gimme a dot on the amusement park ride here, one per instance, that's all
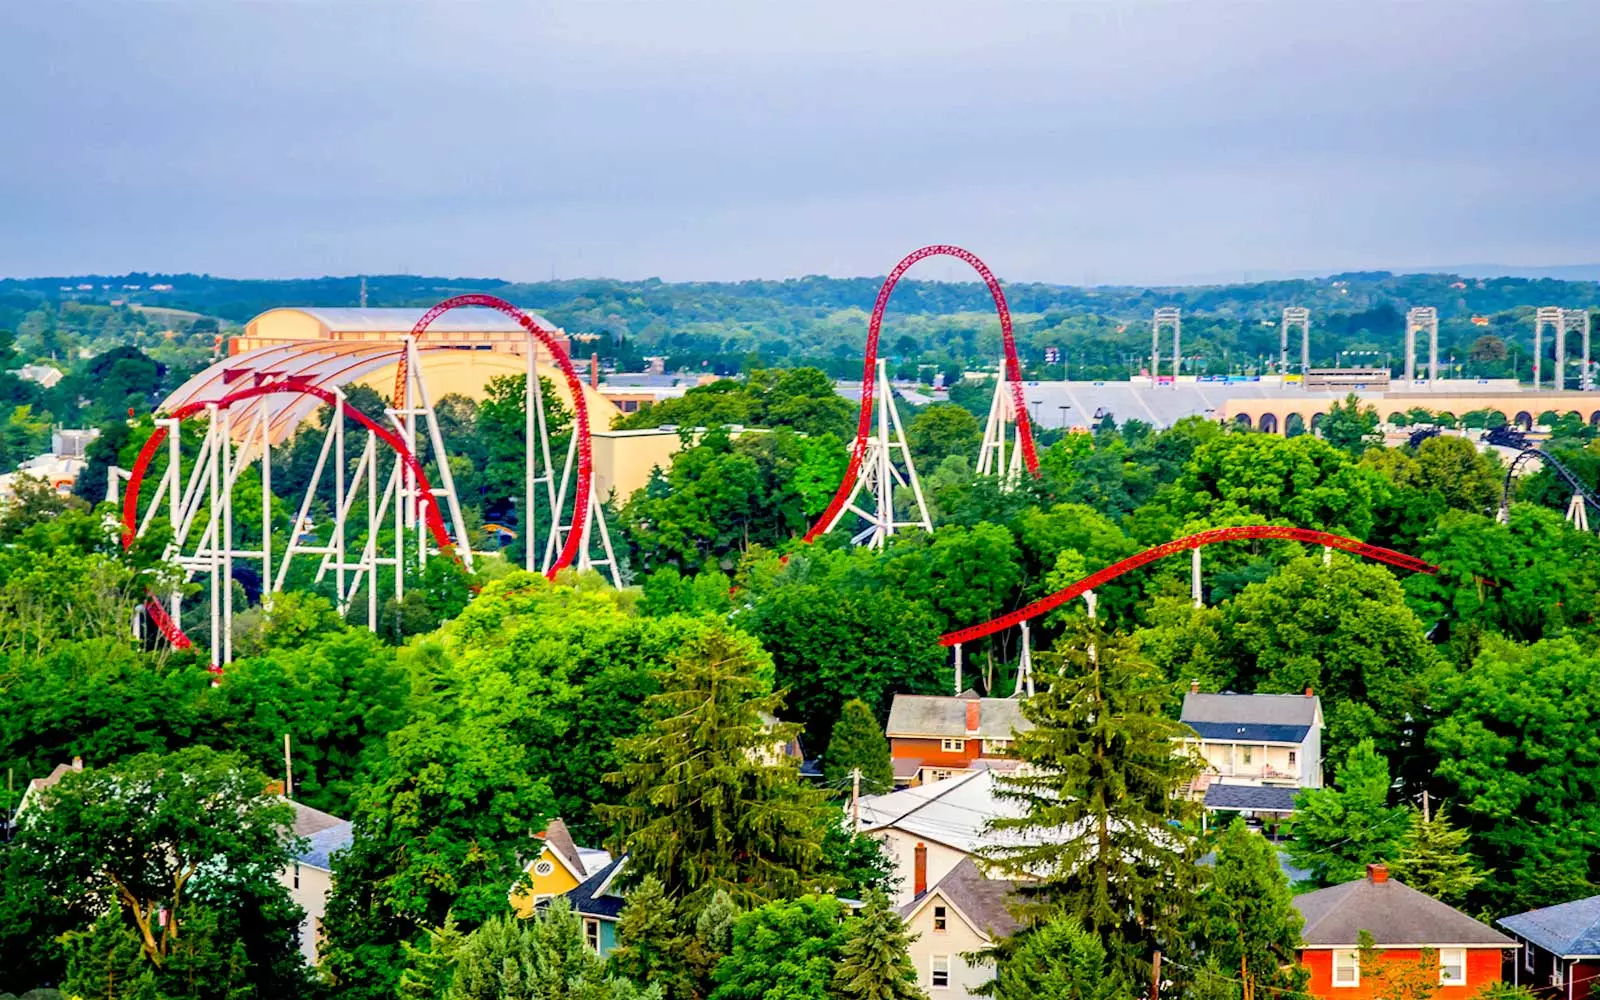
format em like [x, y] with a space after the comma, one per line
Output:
[387, 514]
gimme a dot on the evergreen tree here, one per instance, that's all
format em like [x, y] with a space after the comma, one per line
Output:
[709, 801]
[651, 946]
[1058, 960]
[786, 949]
[1432, 857]
[1103, 803]
[1337, 832]
[429, 970]
[1246, 917]
[858, 742]
[542, 958]
[874, 963]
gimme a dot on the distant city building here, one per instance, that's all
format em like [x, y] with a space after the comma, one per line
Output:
[45, 375]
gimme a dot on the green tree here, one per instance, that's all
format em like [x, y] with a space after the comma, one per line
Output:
[874, 961]
[1336, 832]
[1301, 481]
[541, 958]
[1102, 798]
[1059, 960]
[709, 801]
[429, 969]
[183, 850]
[1432, 857]
[943, 429]
[783, 950]
[1246, 917]
[1398, 978]
[1351, 426]
[858, 743]
[653, 941]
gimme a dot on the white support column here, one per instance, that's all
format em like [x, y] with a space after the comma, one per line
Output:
[530, 416]
[958, 669]
[266, 506]
[225, 461]
[1194, 578]
[1577, 513]
[1327, 555]
[1025, 665]
[1091, 599]
[1294, 317]
[1165, 316]
[880, 474]
[1554, 317]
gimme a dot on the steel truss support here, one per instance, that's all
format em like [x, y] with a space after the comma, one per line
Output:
[1295, 317]
[594, 528]
[1000, 432]
[1426, 318]
[880, 475]
[1561, 321]
[1165, 316]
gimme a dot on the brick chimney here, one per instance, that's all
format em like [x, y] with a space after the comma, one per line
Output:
[274, 788]
[1194, 687]
[1309, 692]
[77, 763]
[594, 369]
[919, 870]
[973, 711]
[1378, 873]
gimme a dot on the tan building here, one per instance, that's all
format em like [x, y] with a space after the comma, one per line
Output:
[309, 875]
[964, 913]
[1522, 409]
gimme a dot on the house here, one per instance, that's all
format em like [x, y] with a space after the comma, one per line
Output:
[1271, 743]
[962, 914]
[37, 786]
[598, 903]
[1560, 948]
[927, 831]
[308, 876]
[1404, 924]
[559, 867]
[932, 737]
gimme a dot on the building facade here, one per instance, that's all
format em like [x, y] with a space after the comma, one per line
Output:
[962, 914]
[933, 737]
[1560, 955]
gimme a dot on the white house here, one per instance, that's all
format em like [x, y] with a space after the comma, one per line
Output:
[1259, 749]
[961, 915]
[309, 874]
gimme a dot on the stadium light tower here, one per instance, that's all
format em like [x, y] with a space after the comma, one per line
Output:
[1426, 318]
[1295, 316]
[1165, 316]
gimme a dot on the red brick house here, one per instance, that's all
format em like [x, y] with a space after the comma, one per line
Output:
[1560, 949]
[1406, 925]
[932, 737]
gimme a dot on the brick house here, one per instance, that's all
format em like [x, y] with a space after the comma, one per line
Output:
[1405, 925]
[1560, 956]
[932, 737]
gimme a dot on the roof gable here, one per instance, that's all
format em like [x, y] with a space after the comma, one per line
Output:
[1393, 913]
[979, 901]
[1259, 709]
[945, 717]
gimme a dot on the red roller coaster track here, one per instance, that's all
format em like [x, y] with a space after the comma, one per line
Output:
[1195, 541]
[580, 504]
[147, 454]
[869, 373]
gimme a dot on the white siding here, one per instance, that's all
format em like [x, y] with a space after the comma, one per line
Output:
[312, 897]
[958, 939]
[901, 848]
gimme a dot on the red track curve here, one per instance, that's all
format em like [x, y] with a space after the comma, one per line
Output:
[1195, 541]
[869, 373]
[580, 504]
[147, 454]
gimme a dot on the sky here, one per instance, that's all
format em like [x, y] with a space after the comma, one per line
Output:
[1125, 142]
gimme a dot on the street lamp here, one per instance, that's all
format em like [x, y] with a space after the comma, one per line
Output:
[1064, 407]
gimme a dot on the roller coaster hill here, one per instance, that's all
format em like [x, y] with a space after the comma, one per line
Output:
[381, 502]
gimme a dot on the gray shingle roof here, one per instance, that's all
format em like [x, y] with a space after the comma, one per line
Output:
[1569, 930]
[1394, 914]
[1245, 709]
[981, 898]
[1249, 732]
[308, 821]
[1268, 798]
[322, 845]
[943, 716]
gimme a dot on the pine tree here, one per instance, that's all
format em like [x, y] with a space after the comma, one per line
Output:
[875, 962]
[541, 958]
[1103, 802]
[1058, 960]
[1337, 832]
[858, 741]
[709, 801]
[1432, 857]
[429, 970]
[650, 942]
[1246, 917]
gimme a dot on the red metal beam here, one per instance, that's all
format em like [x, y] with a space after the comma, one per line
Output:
[869, 373]
[1195, 541]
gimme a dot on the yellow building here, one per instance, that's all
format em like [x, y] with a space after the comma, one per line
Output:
[559, 867]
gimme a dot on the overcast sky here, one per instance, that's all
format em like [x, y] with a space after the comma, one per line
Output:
[1070, 142]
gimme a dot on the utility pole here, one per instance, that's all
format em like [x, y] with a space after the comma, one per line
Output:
[288, 770]
[1426, 818]
[855, 799]
[1155, 977]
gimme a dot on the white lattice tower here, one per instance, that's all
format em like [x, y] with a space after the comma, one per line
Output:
[1579, 320]
[1555, 318]
[1165, 316]
[885, 452]
[594, 526]
[1295, 317]
[1001, 453]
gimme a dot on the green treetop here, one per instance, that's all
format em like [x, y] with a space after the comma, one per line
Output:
[1058, 960]
[874, 963]
[786, 948]
[1246, 917]
[1336, 832]
[709, 799]
[1103, 800]
[858, 742]
[1432, 857]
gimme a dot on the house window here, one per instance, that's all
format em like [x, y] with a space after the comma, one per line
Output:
[297, 876]
[1346, 968]
[952, 746]
[939, 972]
[591, 933]
[1292, 758]
[1246, 752]
[940, 920]
[1527, 956]
[1556, 979]
[543, 867]
[1452, 966]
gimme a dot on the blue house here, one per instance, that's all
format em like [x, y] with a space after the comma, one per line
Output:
[598, 902]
